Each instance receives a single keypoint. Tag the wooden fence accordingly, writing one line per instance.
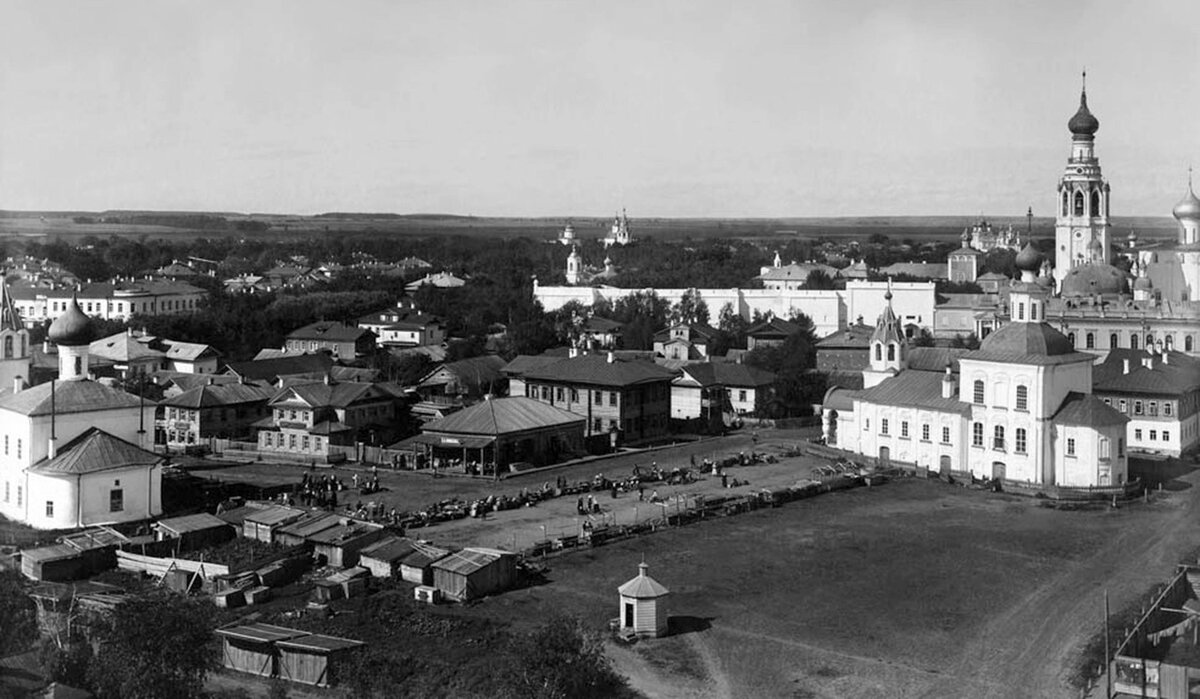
(158, 567)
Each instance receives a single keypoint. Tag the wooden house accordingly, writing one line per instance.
(313, 659)
(193, 531)
(475, 572)
(297, 532)
(417, 567)
(383, 557)
(341, 544)
(261, 524)
(643, 608)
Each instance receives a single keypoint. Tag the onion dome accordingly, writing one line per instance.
(73, 328)
(1014, 340)
(1092, 279)
(1029, 259)
(1083, 125)
(1188, 208)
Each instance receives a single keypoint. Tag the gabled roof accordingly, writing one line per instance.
(388, 549)
(698, 333)
(1178, 375)
(728, 374)
(524, 363)
(466, 561)
(1087, 410)
(333, 395)
(477, 371)
(75, 396)
(95, 450)
(853, 337)
(191, 523)
(504, 416)
(124, 347)
(330, 331)
(271, 369)
(797, 271)
(189, 351)
(914, 389)
(217, 395)
(935, 270)
(600, 324)
(774, 327)
(597, 370)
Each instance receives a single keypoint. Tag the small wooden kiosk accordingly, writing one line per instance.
(643, 608)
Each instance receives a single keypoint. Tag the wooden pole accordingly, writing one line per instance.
(1107, 653)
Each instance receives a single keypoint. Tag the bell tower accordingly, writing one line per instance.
(889, 348)
(1081, 225)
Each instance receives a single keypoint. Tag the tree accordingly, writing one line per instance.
(561, 660)
(818, 279)
(160, 645)
(970, 342)
(924, 338)
(796, 385)
(690, 309)
(643, 313)
(18, 615)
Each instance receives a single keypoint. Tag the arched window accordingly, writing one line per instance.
(1090, 341)
(1169, 342)
(1095, 210)
(1022, 398)
(1071, 337)
(891, 352)
(1133, 341)
(24, 346)
(8, 347)
(1113, 342)
(1149, 340)
(977, 398)
(1065, 203)
(878, 352)
(998, 437)
(1078, 203)
(1187, 343)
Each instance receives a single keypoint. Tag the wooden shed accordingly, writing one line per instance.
(340, 544)
(643, 608)
(193, 531)
(298, 532)
(475, 572)
(53, 563)
(251, 647)
(313, 659)
(417, 567)
(383, 557)
(261, 524)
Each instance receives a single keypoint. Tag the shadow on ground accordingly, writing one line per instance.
(679, 625)
(1165, 473)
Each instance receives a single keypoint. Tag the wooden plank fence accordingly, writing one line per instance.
(159, 567)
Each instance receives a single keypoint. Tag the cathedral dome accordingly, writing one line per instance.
(1029, 259)
(1092, 279)
(73, 328)
(1026, 339)
(1188, 208)
(1083, 124)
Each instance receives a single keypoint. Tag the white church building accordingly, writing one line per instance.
(73, 451)
(1019, 408)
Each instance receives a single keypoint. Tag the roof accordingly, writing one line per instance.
(853, 337)
(95, 450)
(189, 351)
(698, 333)
(934, 270)
(260, 633)
(273, 515)
(774, 327)
(798, 271)
(310, 524)
(467, 561)
(498, 416)
(728, 374)
(643, 586)
(934, 358)
(600, 324)
(597, 370)
(330, 330)
(1179, 374)
(424, 556)
(73, 396)
(319, 644)
(523, 363)
(389, 549)
(1028, 343)
(342, 533)
(124, 347)
(1088, 411)
(272, 369)
(839, 398)
(216, 395)
(191, 523)
(914, 389)
(321, 394)
(478, 371)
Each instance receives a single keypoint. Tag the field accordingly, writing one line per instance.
(911, 589)
(60, 225)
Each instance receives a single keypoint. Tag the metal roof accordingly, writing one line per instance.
(914, 389)
(597, 370)
(643, 586)
(318, 643)
(191, 523)
(95, 450)
(73, 396)
(276, 514)
(467, 561)
(1088, 411)
(260, 633)
(497, 416)
(389, 549)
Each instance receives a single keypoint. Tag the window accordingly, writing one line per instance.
(1124, 405)
(1168, 408)
(742, 396)
(7, 485)
(1021, 311)
(1137, 407)
(1149, 340)
(1166, 435)
(1153, 435)
(998, 437)
(1089, 341)
(20, 492)
(319, 443)
(945, 435)
(1104, 449)
(291, 441)
(50, 509)
(904, 428)
(1095, 210)
(1133, 342)
(1019, 442)
(116, 500)
(1078, 203)
(1070, 446)
(574, 395)
(1121, 447)
(1187, 343)
(925, 433)
(1022, 398)
(8, 347)
(978, 397)
(867, 425)
(883, 426)
(977, 434)
(558, 394)
(1152, 407)
(597, 425)
(6, 445)
(612, 397)
(1137, 434)
(891, 352)
(1112, 341)
(18, 447)
(304, 442)
(599, 398)
(1071, 338)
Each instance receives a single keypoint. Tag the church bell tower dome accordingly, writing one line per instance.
(1188, 208)
(1084, 124)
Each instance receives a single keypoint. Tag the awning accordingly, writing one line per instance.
(445, 441)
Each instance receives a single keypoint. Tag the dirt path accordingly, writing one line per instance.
(1034, 644)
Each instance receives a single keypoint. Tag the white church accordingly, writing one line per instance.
(1019, 408)
(73, 452)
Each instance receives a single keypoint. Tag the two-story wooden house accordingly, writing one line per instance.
(341, 340)
(307, 419)
(226, 410)
(1160, 394)
(630, 400)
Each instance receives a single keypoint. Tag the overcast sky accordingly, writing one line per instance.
(556, 108)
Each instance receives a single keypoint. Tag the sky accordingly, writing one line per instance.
(690, 108)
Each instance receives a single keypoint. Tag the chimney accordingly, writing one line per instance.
(326, 379)
(1148, 362)
(18, 384)
(1126, 367)
(46, 346)
(948, 383)
(611, 359)
(1166, 357)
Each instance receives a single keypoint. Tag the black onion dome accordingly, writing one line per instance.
(1084, 124)
(73, 328)
(1029, 259)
